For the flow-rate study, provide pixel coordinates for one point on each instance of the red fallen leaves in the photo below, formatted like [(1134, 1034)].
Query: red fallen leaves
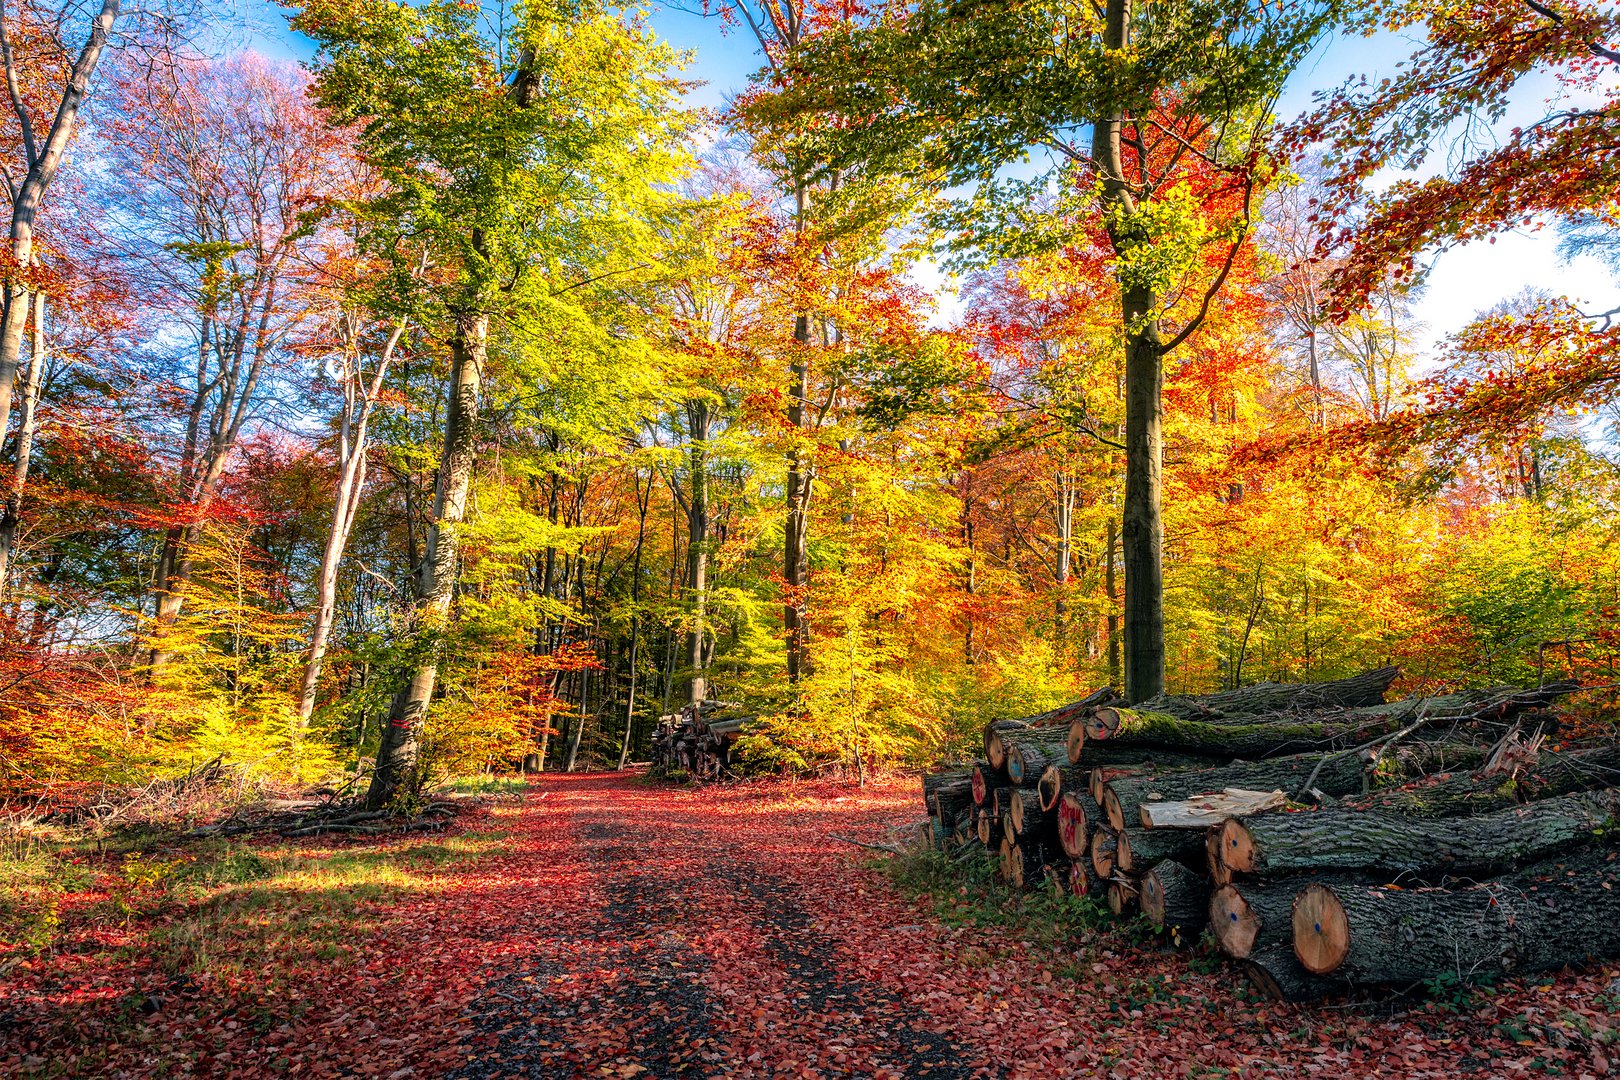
[(624, 930)]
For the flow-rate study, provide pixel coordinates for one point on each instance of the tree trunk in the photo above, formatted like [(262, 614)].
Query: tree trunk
[(1176, 899), (1077, 814), (1055, 779), (1028, 753), (1459, 794), (43, 163), (1123, 796), (795, 554), (396, 770), (1358, 691), (1104, 847), (1277, 973), (1548, 915), (356, 419), (699, 423), (1397, 845), (1138, 850), (11, 511), (986, 782), (1249, 917)]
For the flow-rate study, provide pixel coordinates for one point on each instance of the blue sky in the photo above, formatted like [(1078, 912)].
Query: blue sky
[(1461, 283)]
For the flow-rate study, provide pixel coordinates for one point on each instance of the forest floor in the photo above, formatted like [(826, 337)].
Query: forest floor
[(602, 925)]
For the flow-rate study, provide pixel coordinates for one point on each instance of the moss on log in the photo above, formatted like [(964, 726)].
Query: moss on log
[(1462, 793)]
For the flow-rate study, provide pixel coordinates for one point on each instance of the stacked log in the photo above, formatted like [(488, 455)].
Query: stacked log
[(698, 740), (1322, 837)]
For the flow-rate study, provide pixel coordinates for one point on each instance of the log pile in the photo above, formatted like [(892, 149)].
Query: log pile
[(698, 740), (1319, 835)]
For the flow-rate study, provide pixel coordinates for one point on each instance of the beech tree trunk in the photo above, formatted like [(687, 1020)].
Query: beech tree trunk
[(1249, 917), (360, 397), (1138, 849), (1277, 973), (1397, 845), (396, 770), (1176, 899), (1363, 690), (1553, 913)]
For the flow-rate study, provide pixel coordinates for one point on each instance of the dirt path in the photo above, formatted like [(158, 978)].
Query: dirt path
[(683, 946), (603, 926)]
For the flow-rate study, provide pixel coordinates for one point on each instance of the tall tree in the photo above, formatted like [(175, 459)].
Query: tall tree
[(1177, 99), (523, 152)]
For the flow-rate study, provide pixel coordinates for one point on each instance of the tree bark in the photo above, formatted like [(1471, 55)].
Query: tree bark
[(1176, 899), (27, 196), (1364, 690), (1459, 794), (1393, 844), (1138, 849), (396, 770), (1548, 915), (352, 448), (1124, 795), (1277, 973), (11, 511)]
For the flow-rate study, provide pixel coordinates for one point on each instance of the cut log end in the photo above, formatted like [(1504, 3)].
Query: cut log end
[(1236, 846), (1101, 723), (1121, 897), (1233, 921), (1152, 899), (1050, 786), (1073, 829), (1321, 930), (1112, 810), (1077, 740), (1104, 844), (981, 791)]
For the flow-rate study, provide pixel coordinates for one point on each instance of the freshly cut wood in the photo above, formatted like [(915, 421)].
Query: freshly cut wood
[(1394, 844), (1338, 776), (1059, 718), (1251, 916), (1208, 810), (1258, 736), (986, 782), (1550, 914), (1219, 873), (989, 828), (1122, 895), (1025, 816), (1025, 867), (1482, 792), (1077, 815), (1176, 899), (1082, 882), (1028, 753), (1055, 780), (1367, 688), (1277, 973), (1138, 849), (1104, 844), (1098, 779)]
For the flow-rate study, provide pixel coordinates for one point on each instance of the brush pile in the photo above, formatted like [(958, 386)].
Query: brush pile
[(1322, 836)]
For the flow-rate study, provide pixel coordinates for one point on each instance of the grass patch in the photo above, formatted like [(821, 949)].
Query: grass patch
[(968, 893), (484, 784), (247, 907)]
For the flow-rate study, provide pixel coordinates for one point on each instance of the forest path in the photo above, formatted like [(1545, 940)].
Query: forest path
[(666, 932)]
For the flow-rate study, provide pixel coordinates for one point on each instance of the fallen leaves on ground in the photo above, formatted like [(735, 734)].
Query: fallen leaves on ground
[(625, 929)]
